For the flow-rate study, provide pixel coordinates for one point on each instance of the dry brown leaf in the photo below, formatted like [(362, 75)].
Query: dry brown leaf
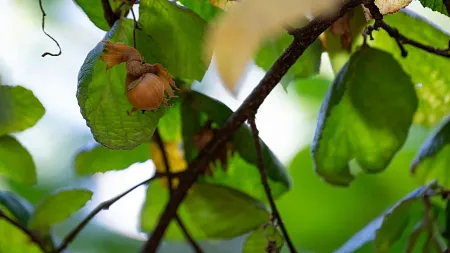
[(387, 7), (238, 34)]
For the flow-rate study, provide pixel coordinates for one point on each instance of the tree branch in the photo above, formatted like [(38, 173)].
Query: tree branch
[(302, 39), (103, 206), (30, 233), (395, 34), (110, 16), (159, 141), (48, 35), (265, 183)]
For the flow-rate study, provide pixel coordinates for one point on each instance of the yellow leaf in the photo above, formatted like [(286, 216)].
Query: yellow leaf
[(387, 7), (175, 157), (241, 30)]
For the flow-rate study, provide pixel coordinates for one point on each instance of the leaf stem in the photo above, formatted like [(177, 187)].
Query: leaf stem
[(275, 214)]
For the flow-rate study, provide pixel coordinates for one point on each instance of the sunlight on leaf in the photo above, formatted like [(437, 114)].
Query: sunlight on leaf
[(93, 158), (432, 160), (363, 118), (16, 162), (386, 229), (13, 240), (175, 158), (239, 33), (57, 207), (19, 109)]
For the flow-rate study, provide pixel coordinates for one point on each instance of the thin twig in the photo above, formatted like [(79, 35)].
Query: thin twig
[(395, 34), (304, 37), (48, 35), (134, 27), (30, 233), (103, 206), (159, 141), (265, 183)]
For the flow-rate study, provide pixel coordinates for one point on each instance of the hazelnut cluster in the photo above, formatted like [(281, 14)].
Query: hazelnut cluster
[(147, 86)]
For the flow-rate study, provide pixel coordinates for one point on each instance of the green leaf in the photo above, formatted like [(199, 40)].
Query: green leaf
[(431, 161), (233, 213), (170, 124), (15, 161), (363, 117), (19, 207), (263, 238), (203, 8), (101, 96), (94, 11), (95, 158), (175, 38), (436, 5), (242, 172), (386, 229), (428, 72), (19, 109), (14, 240), (57, 207), (307, 65)]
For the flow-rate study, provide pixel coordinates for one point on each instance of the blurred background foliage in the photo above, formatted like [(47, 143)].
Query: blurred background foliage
[(319, 217)]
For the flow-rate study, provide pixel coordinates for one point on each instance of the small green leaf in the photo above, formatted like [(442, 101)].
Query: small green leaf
[(101, 96), (19, 109), (94, 11), (57, 207), (266, 237), (437, 5), (431, 162), (19, 207), (14, 240), (175, 38), (233, 213), (170, 124), (242, 173), (363, 117), (203, 8), (15, 161), (95, 158), (307, 65), (386, 229)]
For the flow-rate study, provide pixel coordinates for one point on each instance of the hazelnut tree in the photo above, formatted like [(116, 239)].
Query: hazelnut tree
[(379, 52)]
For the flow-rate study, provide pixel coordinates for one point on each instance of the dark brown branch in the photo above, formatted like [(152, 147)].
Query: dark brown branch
[(302, 39), (275, 214), (395, 34), (103, 206), (159, 141), (48, 35), (30, 233), (110, 16)]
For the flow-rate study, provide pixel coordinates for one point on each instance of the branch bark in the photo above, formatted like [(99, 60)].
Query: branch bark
[(395, 34), (159, 141), (303, 37)]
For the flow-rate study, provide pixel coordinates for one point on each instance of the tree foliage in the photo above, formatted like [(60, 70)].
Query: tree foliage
[(215, 178)]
